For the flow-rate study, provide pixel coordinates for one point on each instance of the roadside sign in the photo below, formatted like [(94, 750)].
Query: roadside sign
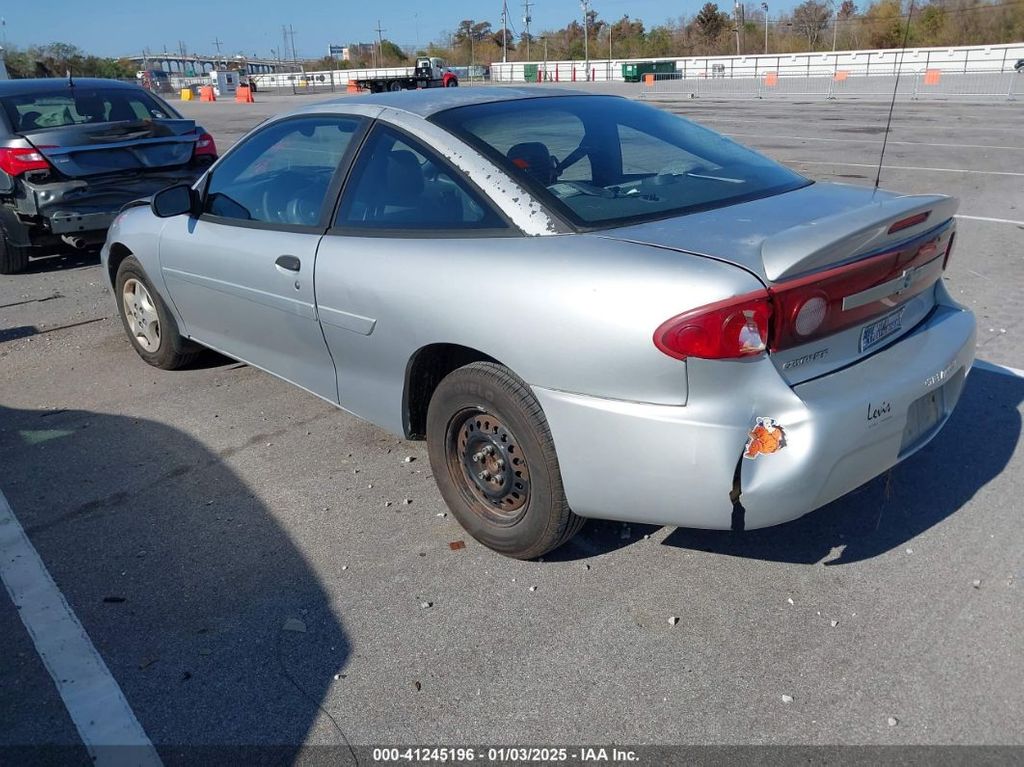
[(335, 50)]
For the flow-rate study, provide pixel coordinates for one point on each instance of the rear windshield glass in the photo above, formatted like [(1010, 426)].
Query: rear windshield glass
[(603, 160), (31, 112)]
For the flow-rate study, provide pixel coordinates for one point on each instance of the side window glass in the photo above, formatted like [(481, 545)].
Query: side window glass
[(281, 174), (397, 183)]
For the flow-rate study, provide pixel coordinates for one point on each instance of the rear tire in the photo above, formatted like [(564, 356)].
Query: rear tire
[(395, 87), (494, 462), (13, 258), (150, 327)]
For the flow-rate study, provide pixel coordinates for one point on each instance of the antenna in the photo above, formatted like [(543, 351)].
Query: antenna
[(895, 88)]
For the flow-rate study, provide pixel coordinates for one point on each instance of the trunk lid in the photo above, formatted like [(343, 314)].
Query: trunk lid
[(91, 149), (872, 258)]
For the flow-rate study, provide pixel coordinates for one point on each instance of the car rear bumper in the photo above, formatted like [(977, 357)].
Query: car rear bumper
[(685, 466), (83, 206)]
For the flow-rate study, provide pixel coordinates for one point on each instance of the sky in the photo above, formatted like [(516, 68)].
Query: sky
[(117, 28)]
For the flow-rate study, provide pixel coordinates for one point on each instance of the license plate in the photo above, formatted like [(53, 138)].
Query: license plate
[(922, 416), (879, 330)]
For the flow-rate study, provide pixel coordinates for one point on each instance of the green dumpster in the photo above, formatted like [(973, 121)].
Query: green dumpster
[(530, 73), (633, 72)]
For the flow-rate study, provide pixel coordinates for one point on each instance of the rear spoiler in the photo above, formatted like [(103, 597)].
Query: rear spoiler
[(842, 237)]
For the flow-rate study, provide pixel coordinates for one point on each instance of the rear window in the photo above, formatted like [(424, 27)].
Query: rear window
[(602, 161), (78, 106)]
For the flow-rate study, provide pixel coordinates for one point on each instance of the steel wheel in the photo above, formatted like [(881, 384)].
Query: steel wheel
[(141, 314), (486, 456)]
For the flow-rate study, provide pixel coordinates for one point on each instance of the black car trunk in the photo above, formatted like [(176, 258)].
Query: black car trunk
[(93, 149)]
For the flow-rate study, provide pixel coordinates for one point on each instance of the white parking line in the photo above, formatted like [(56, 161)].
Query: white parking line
[(991, 367), (991, 220), (907, 167), (101, 714)]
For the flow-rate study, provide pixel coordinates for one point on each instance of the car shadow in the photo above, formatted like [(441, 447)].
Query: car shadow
[(65, 260), (208, 616), (973, 448)]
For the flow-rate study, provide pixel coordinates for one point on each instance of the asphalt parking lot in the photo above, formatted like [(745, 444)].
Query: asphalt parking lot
[(254, 566)]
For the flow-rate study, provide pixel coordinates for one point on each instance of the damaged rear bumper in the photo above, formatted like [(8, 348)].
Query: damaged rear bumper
[(39, 212), (678, 465)]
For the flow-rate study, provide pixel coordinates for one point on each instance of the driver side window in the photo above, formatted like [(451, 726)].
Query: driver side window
[(281, 175)]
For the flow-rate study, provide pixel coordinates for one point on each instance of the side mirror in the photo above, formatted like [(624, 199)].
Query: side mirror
[(175, 200)]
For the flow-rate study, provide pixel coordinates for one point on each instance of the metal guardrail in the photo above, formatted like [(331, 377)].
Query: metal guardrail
[(927, 84)]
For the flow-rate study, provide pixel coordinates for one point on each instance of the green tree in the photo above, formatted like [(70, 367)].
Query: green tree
[(711, 22)]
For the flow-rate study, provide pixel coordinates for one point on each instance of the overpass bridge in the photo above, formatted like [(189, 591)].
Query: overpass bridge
[(195, 65)]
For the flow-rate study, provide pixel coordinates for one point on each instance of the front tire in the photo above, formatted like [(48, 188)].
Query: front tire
[(150, 327), (494, 461)]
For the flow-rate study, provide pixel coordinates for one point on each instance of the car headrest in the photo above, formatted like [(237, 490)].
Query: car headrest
[(534, 159), (91, 107), (29, 121), (404, 178), (121, 110)]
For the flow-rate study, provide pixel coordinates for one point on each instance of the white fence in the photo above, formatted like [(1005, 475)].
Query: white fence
[(965, 59), (927, 84)]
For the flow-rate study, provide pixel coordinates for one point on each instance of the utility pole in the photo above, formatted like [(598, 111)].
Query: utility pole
[(217, 43), (764, 7), (736, 14), (585, 5), (504, 32), (835, 24), (527, 18), (380, 44), (295, 55)]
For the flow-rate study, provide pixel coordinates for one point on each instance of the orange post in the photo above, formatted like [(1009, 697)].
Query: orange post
[(932, 76), (771, 79), (648, 79)]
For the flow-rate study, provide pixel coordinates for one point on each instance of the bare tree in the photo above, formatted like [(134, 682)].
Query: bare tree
[(810, 18)]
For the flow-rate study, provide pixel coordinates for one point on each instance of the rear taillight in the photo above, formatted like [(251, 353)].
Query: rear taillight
[(205, 146), (724, 330), (17, 160), (798, 311)]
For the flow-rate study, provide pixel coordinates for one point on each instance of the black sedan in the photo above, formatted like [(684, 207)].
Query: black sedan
[(72, 152)]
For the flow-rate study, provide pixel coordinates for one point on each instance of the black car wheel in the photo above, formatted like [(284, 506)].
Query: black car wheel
[(13, 258), (494, 461)]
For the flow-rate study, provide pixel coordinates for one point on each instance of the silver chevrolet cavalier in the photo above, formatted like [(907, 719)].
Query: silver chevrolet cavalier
[(587, 306)]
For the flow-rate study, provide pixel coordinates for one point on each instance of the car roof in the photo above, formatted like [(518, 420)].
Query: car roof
[(428, 101), (57, 85)]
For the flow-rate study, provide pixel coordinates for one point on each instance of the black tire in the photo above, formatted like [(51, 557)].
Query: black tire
[(395, 86), (13, 258), (452, 83), (171, 350), (482, 416)]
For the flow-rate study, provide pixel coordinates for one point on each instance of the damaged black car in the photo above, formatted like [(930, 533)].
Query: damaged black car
[(74, 151)]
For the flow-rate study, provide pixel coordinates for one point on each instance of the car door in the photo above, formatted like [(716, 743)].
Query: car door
[(410, 227), (241, 273)]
